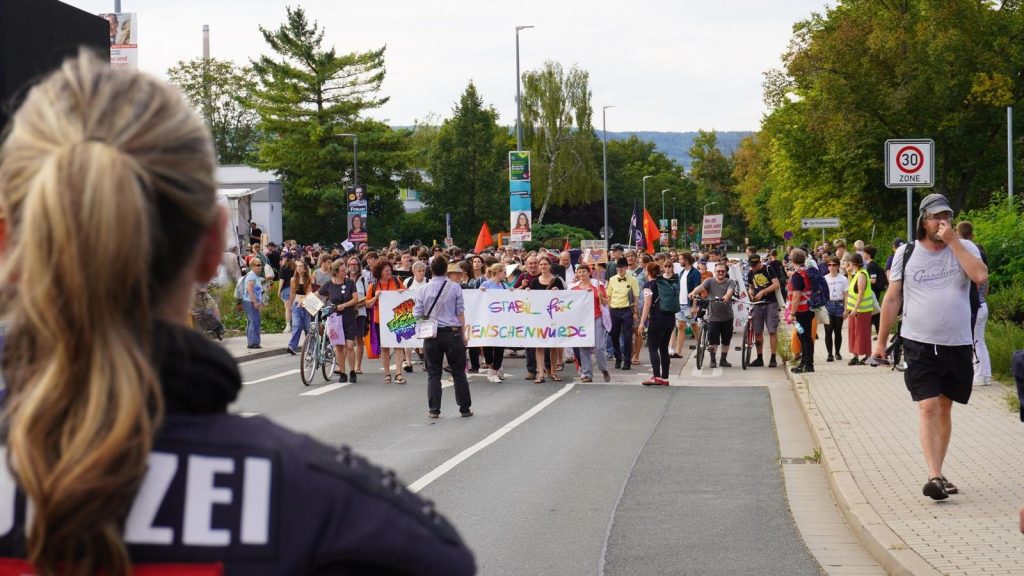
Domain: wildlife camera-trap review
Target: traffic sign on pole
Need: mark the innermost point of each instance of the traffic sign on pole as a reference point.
(819, 222)
(909, 163)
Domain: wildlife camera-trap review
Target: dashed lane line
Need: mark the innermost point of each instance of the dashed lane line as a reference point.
(494, 437)
(325, 389)
(272, 377)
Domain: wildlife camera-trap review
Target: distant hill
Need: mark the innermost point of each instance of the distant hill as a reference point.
(676, 145)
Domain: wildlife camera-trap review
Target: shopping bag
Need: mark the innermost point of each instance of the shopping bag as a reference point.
(336, 329)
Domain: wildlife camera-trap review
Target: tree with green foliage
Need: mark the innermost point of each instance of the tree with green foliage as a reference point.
(466, 167)
(306, 96)
(218, 90)
(628, 162)
(712, 172)
(867, 71)
(557, 130)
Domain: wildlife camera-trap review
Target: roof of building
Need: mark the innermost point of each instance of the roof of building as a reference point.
(242, 174)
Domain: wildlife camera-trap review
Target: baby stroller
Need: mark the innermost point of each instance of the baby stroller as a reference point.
(206, 315)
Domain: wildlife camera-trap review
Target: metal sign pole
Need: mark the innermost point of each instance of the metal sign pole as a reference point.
(910, 214)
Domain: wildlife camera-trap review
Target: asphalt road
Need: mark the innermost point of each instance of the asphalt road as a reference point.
(569, 478)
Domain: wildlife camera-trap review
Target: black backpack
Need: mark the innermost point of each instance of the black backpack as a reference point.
(668, 293)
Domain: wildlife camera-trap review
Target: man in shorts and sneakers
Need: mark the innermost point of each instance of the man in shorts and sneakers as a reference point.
(762, 284)
(936, 346)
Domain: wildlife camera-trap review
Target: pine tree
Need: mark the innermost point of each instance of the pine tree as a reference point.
(306, 95)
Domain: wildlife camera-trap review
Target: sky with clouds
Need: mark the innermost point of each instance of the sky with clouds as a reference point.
(666, 65)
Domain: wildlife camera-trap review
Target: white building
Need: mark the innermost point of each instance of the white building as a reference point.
(266, 201)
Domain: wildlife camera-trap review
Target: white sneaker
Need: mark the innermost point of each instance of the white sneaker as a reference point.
(983, 382)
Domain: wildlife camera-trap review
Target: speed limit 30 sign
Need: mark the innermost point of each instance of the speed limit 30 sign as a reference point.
(909, 163)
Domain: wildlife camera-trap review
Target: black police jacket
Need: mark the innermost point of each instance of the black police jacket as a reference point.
(246, 496)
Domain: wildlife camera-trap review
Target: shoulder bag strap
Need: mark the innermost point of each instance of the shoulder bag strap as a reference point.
(436, 298)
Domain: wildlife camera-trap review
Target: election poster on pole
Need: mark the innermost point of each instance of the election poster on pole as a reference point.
(511, 318)
(520, 196)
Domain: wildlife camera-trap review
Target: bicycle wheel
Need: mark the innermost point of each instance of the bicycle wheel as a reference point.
(748, 343)
(307, 360)
(327, 368)
(702, 344)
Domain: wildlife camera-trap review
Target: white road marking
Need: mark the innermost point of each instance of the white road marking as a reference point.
(274, 377)
(700, 373)
(325, 389)
(465, 454)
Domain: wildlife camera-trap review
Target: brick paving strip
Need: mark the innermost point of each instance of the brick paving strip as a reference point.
(866, 426)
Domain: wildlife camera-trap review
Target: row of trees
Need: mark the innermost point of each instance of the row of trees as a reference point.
(284, 111)
(870, 70)
(856, 75)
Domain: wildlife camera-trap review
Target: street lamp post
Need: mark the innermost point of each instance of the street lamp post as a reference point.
(355, 157)
(663, 202)
(645, 192)
(604, 157)
(519, 94)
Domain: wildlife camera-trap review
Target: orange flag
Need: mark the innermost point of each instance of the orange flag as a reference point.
(567, 246)
(483, 239)
(651, 231)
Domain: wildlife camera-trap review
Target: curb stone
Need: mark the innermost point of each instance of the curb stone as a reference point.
(261, 354)
(892, 552)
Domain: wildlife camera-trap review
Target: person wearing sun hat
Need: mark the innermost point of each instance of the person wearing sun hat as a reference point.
(933, 289)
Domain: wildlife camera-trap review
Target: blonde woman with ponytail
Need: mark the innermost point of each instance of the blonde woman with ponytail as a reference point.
(114, 426)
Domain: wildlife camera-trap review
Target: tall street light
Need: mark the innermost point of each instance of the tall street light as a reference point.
(645, 192)
(604, 156)
(663, 202)
(519, 94)
(355, 156)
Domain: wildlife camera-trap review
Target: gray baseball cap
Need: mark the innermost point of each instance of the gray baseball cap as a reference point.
(934, 204)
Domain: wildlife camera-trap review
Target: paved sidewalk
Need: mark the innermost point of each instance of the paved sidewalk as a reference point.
(272, 345)
(866, 425)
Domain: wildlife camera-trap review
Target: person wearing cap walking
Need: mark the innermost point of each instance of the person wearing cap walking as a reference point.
(933, 289)
(441, 301)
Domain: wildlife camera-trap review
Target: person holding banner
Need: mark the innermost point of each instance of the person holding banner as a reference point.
(584, 282)
(385, 281)
(441, 303)
(494, 355)
(547, 281)
(342, 296)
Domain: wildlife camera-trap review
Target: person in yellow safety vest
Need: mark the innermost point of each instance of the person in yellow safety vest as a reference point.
(860, 302)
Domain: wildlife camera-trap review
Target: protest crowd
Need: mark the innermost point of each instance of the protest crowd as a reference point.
(641, 299)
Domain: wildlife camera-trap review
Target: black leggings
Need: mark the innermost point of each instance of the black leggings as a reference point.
(494, 355)
(834, 333)
(806, 339)
(659, 332)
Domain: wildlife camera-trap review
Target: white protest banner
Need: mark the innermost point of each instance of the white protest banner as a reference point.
(513, 318)
(397, 324)
(528, 319)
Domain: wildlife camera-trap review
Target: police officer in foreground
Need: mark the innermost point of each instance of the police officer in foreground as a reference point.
(123, 454)
(439, 307)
